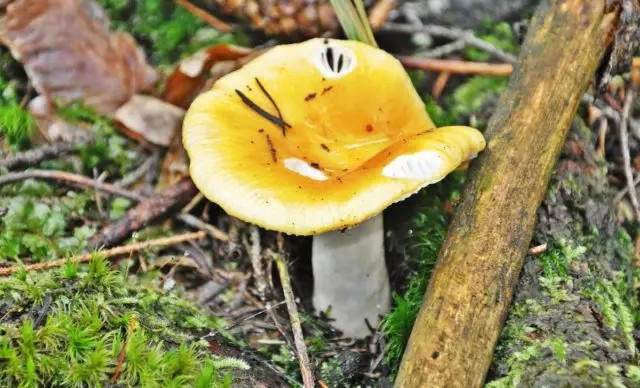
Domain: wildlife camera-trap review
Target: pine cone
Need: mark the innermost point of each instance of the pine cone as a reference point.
(298, 19)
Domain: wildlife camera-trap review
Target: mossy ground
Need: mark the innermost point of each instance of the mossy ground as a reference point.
(70, 327)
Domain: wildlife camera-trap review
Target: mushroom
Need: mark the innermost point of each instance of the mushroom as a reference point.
(318, 138)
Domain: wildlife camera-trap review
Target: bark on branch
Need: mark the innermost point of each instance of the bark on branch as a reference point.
(470, 292)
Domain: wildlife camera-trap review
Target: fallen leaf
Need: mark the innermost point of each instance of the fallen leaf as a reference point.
(150, 119)
(69, 53)
(191, 74)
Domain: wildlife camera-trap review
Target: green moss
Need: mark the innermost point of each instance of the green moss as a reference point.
(525, 340)
(554, 263)
(425, 233)
(472, 96)
(109, 151)
(42, 230)
(16, 123)
(70, 326)
(164, 29)
(332, 373)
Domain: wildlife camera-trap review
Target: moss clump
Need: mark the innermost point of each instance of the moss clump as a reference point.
(166, 30)
(424, 233)
(85, 326)
(16, 123)
(474, 98)
(42, 229)
(572, 321)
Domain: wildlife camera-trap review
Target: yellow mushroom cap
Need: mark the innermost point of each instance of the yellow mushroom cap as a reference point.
(317, 136)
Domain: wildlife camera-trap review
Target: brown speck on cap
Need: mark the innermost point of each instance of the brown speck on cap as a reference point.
(369, 128)
(324, 147)
(274, 155)
(310, 96)
(328, 88)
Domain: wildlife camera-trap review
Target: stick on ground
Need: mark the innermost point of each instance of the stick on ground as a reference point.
(149, 210)
(451, 33)
(296, 328)
(455, 66)
(468, 297)
(624, 145)
(68, 178)
(36, 155)
(113, 252)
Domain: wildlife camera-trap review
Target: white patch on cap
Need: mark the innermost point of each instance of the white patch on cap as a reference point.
(334, 61)
(421, 165)
(303, 168)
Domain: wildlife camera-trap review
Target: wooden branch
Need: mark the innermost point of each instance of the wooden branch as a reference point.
(456, 66)
(149, 210)
(469, 294)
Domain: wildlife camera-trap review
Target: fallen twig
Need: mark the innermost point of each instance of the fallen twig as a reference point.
(36, 155)
(451, 33)
(257, 262)
(205, 16)
(147, 211)
(602, 134)
(296, 328)
(624, 144)
(195, 222)
(379, 13)
(69, 178)
(537, 250)
(441, 51)
(137, 174)
(440, 84)
(109, 253)
(455, 66)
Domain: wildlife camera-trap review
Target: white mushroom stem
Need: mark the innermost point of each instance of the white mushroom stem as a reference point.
(350, 276)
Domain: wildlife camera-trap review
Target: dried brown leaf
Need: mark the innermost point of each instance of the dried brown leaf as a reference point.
(189, 77)
(69, 53)
(150, 119)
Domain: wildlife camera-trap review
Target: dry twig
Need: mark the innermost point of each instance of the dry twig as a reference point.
(147, 211)
(379, 13)
(109, 253)
(296, 328)
(195, 222)
(69, 178)
(452, 33)
(37, 155)
(141, 171)
(444, 50)
(256, 262)
(624, 144)
(205, 16)
(455, 66)
(538, 250)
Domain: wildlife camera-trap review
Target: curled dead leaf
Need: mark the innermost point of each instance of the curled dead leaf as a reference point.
(191, 74)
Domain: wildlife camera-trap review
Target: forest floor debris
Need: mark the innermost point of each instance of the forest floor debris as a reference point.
(217, 266)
